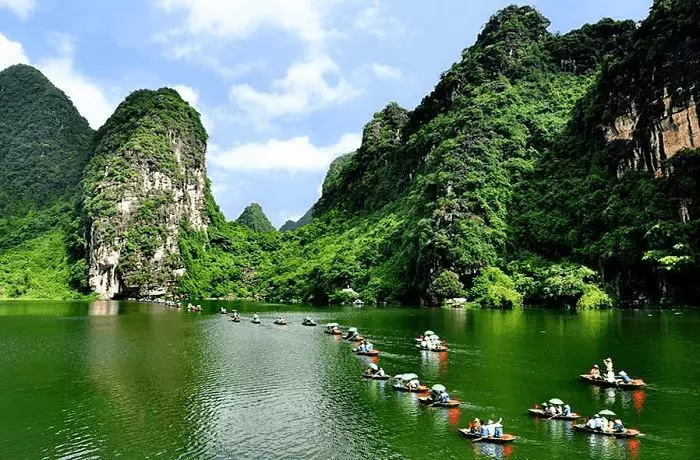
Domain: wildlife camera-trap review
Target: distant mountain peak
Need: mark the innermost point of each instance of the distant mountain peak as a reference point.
(255, 219)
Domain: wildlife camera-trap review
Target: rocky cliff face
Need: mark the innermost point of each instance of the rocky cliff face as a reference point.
(146, 180)
(649, 97)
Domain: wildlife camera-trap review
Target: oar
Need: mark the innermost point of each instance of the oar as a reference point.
(478, 439)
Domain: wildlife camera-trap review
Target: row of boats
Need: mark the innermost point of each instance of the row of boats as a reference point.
(605, 422)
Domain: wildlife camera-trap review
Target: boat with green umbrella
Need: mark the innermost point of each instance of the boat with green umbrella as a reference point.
(612, 427)
(554, 409)
(439, 398)
(409, 383)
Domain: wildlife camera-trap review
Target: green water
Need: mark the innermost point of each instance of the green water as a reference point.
(136, 380)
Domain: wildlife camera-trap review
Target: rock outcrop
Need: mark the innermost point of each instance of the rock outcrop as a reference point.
(146, 180)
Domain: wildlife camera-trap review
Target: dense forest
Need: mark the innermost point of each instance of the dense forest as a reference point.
(543, 169)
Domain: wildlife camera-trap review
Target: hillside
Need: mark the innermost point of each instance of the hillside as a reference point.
(619, 190)
(421, 211)
(44, 147)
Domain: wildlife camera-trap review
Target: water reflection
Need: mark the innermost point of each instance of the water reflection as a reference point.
(103, 308)
(493, 450)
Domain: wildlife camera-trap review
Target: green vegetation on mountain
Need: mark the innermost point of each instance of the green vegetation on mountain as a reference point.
(255, 219)
(421, 211)
(44, 147)
(543, 169)
(146, 177)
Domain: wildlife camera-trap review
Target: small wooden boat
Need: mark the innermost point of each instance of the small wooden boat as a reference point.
(255, 321)
(629, 433)
(356, 340)
(280, 323)
(332, 329)
(476, 437)
(600, 382)
(331, 332)
(420, 389)
(428, 400)
(236, 320)
(539, 413)
(308, 324)
(376, 377)
(367, 353)
(439, 349)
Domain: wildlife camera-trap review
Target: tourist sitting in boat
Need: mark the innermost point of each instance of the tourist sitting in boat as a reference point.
(622, 375)
(475, 426)
(235, 315)
(610, 376)
(256, 318)
(444, 397)
(495, 429)
(352, 334)
(365, 346)
(375, 371)
(308, 322)
(618, 427)
(567, 410)
(594, 372)
(596, 423)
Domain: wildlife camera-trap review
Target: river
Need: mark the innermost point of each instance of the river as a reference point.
(83, 380)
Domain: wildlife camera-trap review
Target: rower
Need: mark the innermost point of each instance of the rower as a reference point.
(618, 427)
(608, 364)
(444, 397)
(352, 334)
(594, 372)
(413, 384)
(475, 426)
(625, 378)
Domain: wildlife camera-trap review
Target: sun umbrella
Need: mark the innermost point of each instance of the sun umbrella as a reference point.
(556, 402)
(352, 329)
(332, 325)
(607, 413)
(438, 388)
(426, 333)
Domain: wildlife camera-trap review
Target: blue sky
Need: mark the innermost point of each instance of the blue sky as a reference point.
(284, 86)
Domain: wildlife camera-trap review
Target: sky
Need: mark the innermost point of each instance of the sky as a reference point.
(283, 86)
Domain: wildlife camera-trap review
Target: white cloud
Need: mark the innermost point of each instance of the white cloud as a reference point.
(386, 72)
(238, 19)
(89, 97)
(188, 94)
(11, 53)
(304, 89)
(376, 20)
(297, 154)
(22, 8)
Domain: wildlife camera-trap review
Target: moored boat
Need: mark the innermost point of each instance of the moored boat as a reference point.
(628, 433)
(505, 438)
(600, 382)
